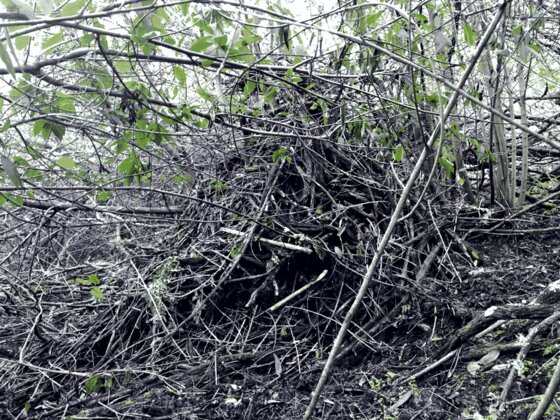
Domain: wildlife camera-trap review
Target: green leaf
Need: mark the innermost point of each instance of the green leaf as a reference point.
(32, 152)
(204, 26)
(132, 167)
(249, 37)
(27, 406)
(46, 130)
(447, 166)
(58, 130)
(373, 18)
(97, 293)
(24, 8)
(93, 384)
(33, 174)
(142, 140)
(53, 40)
(221, 41)
(180, 75)
(205, 95)
(470, 34)
(122, 66)
(517, 31)
(270, 94)
(126, 166)
(5, 57)
(103, 42)
(103, 196)
(45, 6)
(249, 87)
(205, 62)
(121, 146)
(535, 47)
(398, 153)
(22, 42)
(201, 44)
(18, 160)
(16, 200)
(86, 40)
(473, 368)
(38, 127)
(72, 8)
(280, 155)
(65, 103)
(6, 126)
(10, 170)
(420, 18)
(455, 129)
(66, 162)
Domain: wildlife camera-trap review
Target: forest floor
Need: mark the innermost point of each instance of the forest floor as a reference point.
(514, 270)
(418, 361)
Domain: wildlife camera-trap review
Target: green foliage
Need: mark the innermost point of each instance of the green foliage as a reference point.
(132, 167)
(14, 200)
(93, 281)
(11, 171)
(103, 196)
(108, 384)
(548, 350)
(205, 95)
(72, 8)
(53, 40)
(375, 384)
(46, 128)
(398, 153)
(97, 293)
(96, 382)
(475, 256)
(527, 365)
(270, 94)
(22, 42)
(180, 75)
(218, 185)
(201, 44)
(86, 40)
(6, 126)
(5, 57)
(64, 103)
(469, 34)
(66, 162)
(280, 155)
(235, 251)
(552, 408)
(92, 385)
